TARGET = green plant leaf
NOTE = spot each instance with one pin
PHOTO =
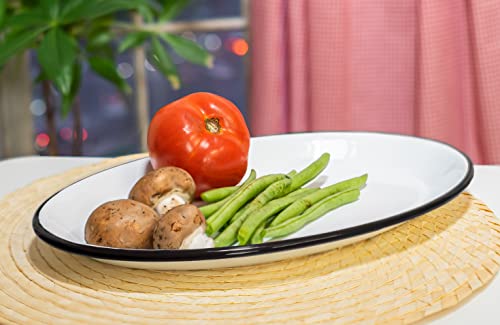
(154, 5)
(56, 55)
(90, 9)
(16, 43)
(106, 69)
(172, 8)
(147, 14)
(162, 61)
(62, 80)
(3, 9)
(71, 6)
(68, 99)
(50, 8)
(189, 50)
(30, 3)
(132, 40)
(99, 38)
(105, 50)
(28, 18)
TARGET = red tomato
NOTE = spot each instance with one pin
(206, 135)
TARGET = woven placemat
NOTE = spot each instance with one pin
(422, 267)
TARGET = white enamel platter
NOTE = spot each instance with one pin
(407, 177)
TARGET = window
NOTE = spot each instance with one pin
(110, 119)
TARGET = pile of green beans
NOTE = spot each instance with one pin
(274, 205)
(218, 196)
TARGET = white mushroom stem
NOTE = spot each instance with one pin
(197, 239)
(169, 202)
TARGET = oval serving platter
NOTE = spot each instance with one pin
(408, 176)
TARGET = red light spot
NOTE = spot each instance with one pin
(239, 47)
(85, 134)
(42, 140)
(65, 133)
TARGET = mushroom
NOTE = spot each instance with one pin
(164, 188)
(183, 227)
(121, 224)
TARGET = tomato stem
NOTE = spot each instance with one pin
(212, 125)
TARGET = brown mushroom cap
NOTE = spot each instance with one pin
(160, 182)
(121, 224)
(176, 225)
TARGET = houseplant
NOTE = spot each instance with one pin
(67, 34)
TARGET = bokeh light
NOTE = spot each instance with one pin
(239, 47)
(65, 134)
(85, 134)
(212, 42)
(42, 140)
(148, 65)
(125, 70)
(37, 107)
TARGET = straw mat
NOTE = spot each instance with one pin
(417, 269)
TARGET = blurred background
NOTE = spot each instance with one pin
(423, 68)
(109, 117)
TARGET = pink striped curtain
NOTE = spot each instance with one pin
(429, 68)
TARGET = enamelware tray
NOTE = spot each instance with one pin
(408, 176)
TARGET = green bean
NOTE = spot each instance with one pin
(301, 205)
(279, 204)
(248, 206)
(310, 172)
(314, 212)
(228, 236)
(241, 196)
(301, 178)
(218, 194)
(209, 209)
(298, 179)
(249, 225)
(240, 212)
(258, 235)
(275, 190)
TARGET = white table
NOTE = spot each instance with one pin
(482, 308)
